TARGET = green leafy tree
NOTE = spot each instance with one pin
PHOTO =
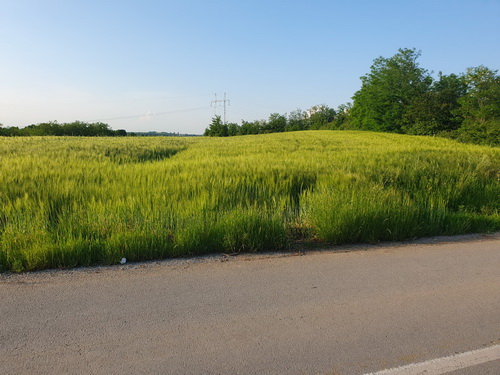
(10, 131)
(482, 102)
(434, 111)
(76, 128)
(297, 120)
(276, 123)
(388, 90)
(121, 133)
(342, 119)
(480, 107)
(217, 128)
(233, 129)
(252, 127)
(319, 116)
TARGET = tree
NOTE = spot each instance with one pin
(76, 128)
(342, 119)
(388, 90)
(233, 129)
(297, 120)
(434, 111)
(480, 107)
(276, 123)
(217, 128)
(319, 116)
(482, 102)
(252, 127)
(120, 133)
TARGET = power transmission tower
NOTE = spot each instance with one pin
(215, 103)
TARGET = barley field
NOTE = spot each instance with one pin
(68, 201)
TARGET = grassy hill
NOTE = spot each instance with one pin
(79, 201)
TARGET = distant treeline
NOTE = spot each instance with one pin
(161, 134)
(79, 129)
(76, 128)
(399, 96)
(316, 118)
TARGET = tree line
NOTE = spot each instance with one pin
(400, 96)
(76, 128)
(315, 118)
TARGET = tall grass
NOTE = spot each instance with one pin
(67, 202)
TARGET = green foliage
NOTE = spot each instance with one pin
(233, 129)
(255, 127)
(76, 128)
(297, 120)
(69, 202)
(217, 128)
(434, 111)
(317, 117)
(481, 133)
(320, 116)
(275, 124)
(482, 102)
(399, 96)
(343, 118)
(387, 91)
(480, 107)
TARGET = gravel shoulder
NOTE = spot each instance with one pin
(296, 250)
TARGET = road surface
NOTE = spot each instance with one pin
(350, 310)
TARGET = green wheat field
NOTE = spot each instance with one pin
(69, 201)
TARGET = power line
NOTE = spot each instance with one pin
(216, 102)
(248, 112)
(148, 114)
(162, 98)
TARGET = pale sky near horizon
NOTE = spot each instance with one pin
(156, 65)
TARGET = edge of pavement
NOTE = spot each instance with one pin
(297, 249)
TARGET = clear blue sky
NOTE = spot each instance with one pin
(156, 65)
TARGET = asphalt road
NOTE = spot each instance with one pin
(359, 310)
